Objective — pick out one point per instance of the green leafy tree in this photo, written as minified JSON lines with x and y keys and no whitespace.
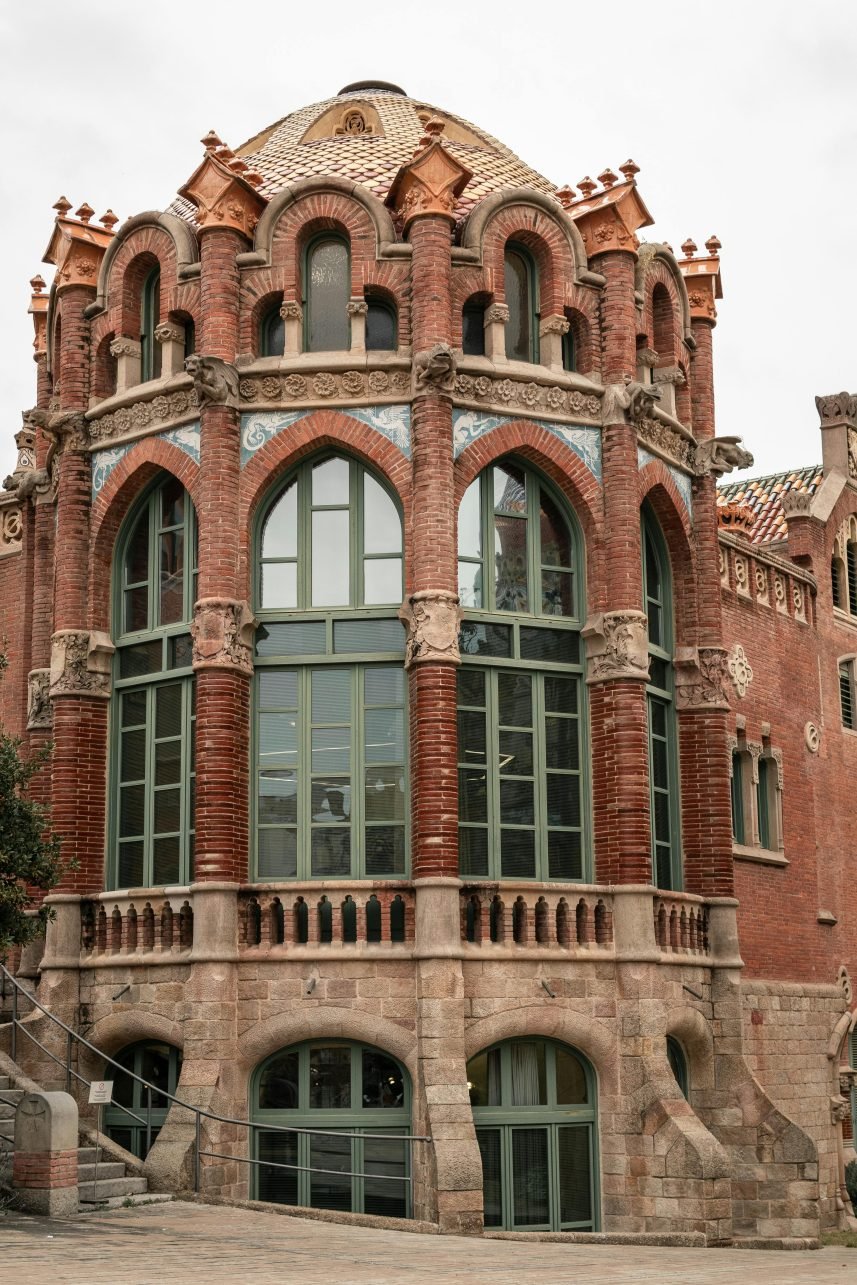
{"x":29,"y":851}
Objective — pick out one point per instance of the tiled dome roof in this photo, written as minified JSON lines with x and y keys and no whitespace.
{"x":763,"y":496}
{"x":367,"y":133}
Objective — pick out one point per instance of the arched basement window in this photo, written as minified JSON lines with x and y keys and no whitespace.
{"x":663,"y":746}
{"x":522,"y":750}
{"x":152,"y":758}
{"x":333,"y":1086}
{"x":327,"y":288}
{"x":521,"y":288}
{"x":160,"y":1065}
{"x":534,"y":1108}
{"x":330,"y":755}
{"x":150,"y":313}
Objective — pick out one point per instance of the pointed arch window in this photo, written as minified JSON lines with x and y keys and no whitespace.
{"x":327,"y":289}
{"x":521,"y":289}
{"x":152,"y":770}
{"x":150,"y":313}
{"x":663,"y":741}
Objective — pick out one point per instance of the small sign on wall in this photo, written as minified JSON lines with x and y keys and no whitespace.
{"x":100,"y":1092}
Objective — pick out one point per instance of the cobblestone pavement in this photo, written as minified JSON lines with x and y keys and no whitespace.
{"x":181,"y":1243}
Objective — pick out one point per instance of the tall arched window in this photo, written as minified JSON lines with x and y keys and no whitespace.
{"x":272,"y":333}
{"x":327,"y":289}
{"x":522,"y":786}
{"x":522,"y":294}
{"x":330,"y":684}
{"x":663,"y":748}
{"x":137,"y":1126}
{"x":333,"y":1086}
{"x":150,"y":313}
{"x":534,"y":1108}
{"x":151,"y":815}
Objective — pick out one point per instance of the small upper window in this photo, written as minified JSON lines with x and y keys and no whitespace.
{"x":473,"y":330}
{"x":327,"y":288}
{"x":569,"y":355}
{"x":272,"y":333}
{"x":381,"y":326}
{"x":846,"y":695}
{"x":150,"y":313}
{"x":521,"y":285}
{"x":739,"y":830}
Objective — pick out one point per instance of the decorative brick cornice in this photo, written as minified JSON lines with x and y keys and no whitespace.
{"x":80,"y":663}
{"x":617,"y":646}
{"x":222,"y":632}
{"x":700,"y":679}
{"x":40,"y":713}
{"x":432,"y":619}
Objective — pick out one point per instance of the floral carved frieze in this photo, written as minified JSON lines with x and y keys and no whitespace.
{"x":701,"y":677}
{"x":667,"y":441}
{"x":432,"y":619}
{"x":527,"y":396}
{"x":80,"y":663}
{"x":222,"y":632}
{"x":143,"y":415}
{"x":39,"y":708}
{"x":617,"y":646}
{"x":323,"y":386}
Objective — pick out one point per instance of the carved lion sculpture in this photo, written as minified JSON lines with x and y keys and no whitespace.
{"x":721,"y":455}
{"x":435,"y":368}
{"x":215,"y":382}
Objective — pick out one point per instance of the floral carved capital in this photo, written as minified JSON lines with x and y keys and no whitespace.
{"x":291,"y":310}
{"x":497,"y":312}
{"x":617,"y":646}
{"x":432,"y":619}
{"x":701,"y":676}
{"x":222,"y":632}
{"x":39,"y":710}
{"x":80,"y":663}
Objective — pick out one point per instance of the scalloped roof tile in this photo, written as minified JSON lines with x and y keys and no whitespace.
{"x":764,"y":496}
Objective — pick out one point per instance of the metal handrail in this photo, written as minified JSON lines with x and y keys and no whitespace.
{"x":199,"y":1113}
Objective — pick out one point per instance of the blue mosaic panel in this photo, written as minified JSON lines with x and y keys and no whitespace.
{"x":104,"y":462}
{"x":392,"y":422}
{"x":682,"y":481}
{"x":585,"y":441}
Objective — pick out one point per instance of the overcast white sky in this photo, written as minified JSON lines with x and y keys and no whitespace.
{"x":741,"y":116}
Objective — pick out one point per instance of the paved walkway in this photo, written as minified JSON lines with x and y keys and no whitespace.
{"x":176,"y":1244}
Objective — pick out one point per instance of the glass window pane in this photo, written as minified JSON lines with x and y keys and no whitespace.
{"x":137,"y":556}
{"x":575,"y":1182}
{"x":517,"y":854}
{"x":557,"y":593}
{"x":329,"y":1190}
{"x":273,"y":335}
{"x":510,"y":490}
{"x":470,"y":584}
{"x":511,"y":591}
{"x":382,"y":581}
{"x":555,"y":535}
{"x":278,"y":798}
{"x":484,"y":640}
{"x":132,"y":810}
{"x":168,"y":762}
{"x":168,"y":705}
{"x":280,"y":536}
{"x":331,"y":696}
{"x":329,"y":1077}
{"x":278,"y":1084}
{"x":172,"y":577}
{"x":331,"y":750}
{"x":387,"y":1157}
{"x":471,"y":737}
{"x":384,"y":794}
{"x":179,"y":652}
{"x":278,"y":854}
{"x":383,"y":1084}
{"x":516,"y":753}
{"x":565,"y":856}
{"x":555,"y":646}
{"x":278,"y":1185}
{"x":385,"y":850}
{"x":563,"y":800}
{"x":473,"y":796}
{"x":279,"y":585}
{"x":172,"y":503}
{"x":473,"y":331}
{"x":380,"y":328}
{"x":517,"y":288}
{"x":470,"y":523}
{"x":328,"y":291}
{"x":134,"y":707}
{"x":132,"y":765}
{"x":278,"y":688}
{"x":492,"y":1190}
{"x":472,"y":853}
{"x":167,"y":811}
{"x":385,"y":736}
{"x":382,"y":526}
{"x":570,"y":1078}
{"x":368,"y":636}
{"x":331,"y":851}
{"x":330,"y":557}
{"x":330,"y":481}
{"x":471,"y":687}
{"x":516,"y":803}
{"x":483,"y":1079}
{"x":528,"y":1086}
{"x":278,"y":738}
{"x":530,"y":1179}
{"x":515,"y":694}
{"x":384,"y":685}
{"x":130,"y":865}
{"x":136,"y":609}
{"x":166,"y":861}
{"x":143,"y":658}
{"x":561,"y":694}
{"x":303,"y":638}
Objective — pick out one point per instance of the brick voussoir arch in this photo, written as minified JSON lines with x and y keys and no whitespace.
{"x":128,"y":479}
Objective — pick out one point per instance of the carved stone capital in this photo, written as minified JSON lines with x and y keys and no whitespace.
{"x":434,"y":369}
{"x":432,"y":619}
{"x":617,"y":646}
{"x":122,"y":346}
{"x":720,"y":455}
{"x":215,"y":382}
{"x":796,"y":504}
{"x":80,"y":663}
{"x":555,"y":325}
{"x":629,"y":402}
{"x":222,"y":632}
{"x":837,"y":408}
{"x":167,"y":333}
{"x":291,"y":310}
{"x":357,"y":308}
{"x":497,"y":312}
{"x":840,"y":1109}
{"x":40,"y":714}
{"x":701,"y":675}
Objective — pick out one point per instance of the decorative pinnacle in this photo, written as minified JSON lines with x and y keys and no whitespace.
{"x":587,"y":187}
{"x":109,"y":220}
{"x":712,"y":245}
{"x":253,"y":177}
{"x":84,"y":212}
{"x":224,"y":153}
{"x":629,"y":169}
{"x":608,"y":178}
{"x":63,"y":206}
{"x":211,"y":141}
{"x":565,"y":196}
{"x":689,"y":248}
{"x":38,"y":283}
{"x":434,"y":126}
{"x":238,"y":165}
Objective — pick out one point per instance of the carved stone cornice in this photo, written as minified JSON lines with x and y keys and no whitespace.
{"x":40,"y":714}
{"x":434,"y":370}
{"x":215,"y":382}
{"x":432,"y":619}
{"x":223,"y":632}
{"x":153,"y":413}
{"x":700,"y":679}
{"x":550,"y":400}
{"x":429,"y":184}
{"x":617,"y":646}
{"x":80,"y":663}
{"x":277,"y":389}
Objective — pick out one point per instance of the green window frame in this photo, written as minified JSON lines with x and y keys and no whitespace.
{"x":763,"y":803}
{"x":534,"y":1104}
{"x":522,"y":703}
{"x":335,"y":1086}
{"x":851,"y":566}
{"x":326,"y":292}
{"x":847,"y":701}
{"x":272,"y":333}
{"x":150,"y":314}
{"x":159,"y":1064}
{"x":521,"y":280}
{"x":677,"y":1059}
{"x":152,"y":753}
{"x":737,"y":793}
{"x":661,"y":721}
{"x":330,"y":716}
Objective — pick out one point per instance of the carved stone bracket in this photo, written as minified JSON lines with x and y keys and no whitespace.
{"x":80,"y":663}
{"x":432,"y":619}
{"x":434,"y":369}
{"x":222,"y":632}
{"x":701,"y":675}
{"x":629,"y":402}
{"x":617,"y":646}
{"x":40,"y":714}
{"x":554,"y":325}
{"x":125,"y":347}
{"x":215,"y":382}
{"x":740,"y":670}
{"x":720,"y":455}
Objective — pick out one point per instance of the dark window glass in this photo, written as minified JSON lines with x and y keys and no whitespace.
{"x":851,"y":561}
{"x":327,"y":293}
{"x":846,"y":696}
{"x":380,"y":327}
{"x":272,"y":334}
{"x":737,"y":797}
{"x":473,"y":330}
{"x":521,"y":333}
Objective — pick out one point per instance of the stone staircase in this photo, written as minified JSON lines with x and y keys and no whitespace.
{"x":103,"y":1181}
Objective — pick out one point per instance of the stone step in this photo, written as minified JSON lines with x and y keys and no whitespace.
{"x":87,"y":1156}
{"x":5,"y":1082}
{"x":94,"y":1192}
{"x":7,"y":1128}
{"x":104,"y":1170}
{"x":117,"y":1202}
{"x":8,"y":1103}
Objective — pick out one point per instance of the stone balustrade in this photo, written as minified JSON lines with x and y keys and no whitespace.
{"x":150,"y":922}
{"x":324,"y":913}
{"x":681,"y":924}
{"x":528,"y":914}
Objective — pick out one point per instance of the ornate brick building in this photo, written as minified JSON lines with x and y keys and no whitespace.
{"x":439,"y":759}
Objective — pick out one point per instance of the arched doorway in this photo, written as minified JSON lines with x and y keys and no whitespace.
{"x":534,"y":1108}
{"x":159,"y":1064}
{"x":339,"y":1088}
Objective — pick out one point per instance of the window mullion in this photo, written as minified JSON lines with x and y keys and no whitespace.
{"x":541,"y":783}
{"x":304,"y":533}
{"x":533,"y":545}
{"x":304,"y":835}
{"x":358,"y":820}
{"x":149,"y":795}
{"x":492,"y":768}
{"x":357,"y":591}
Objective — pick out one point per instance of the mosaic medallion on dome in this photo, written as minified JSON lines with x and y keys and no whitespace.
{"x":469,"y":425}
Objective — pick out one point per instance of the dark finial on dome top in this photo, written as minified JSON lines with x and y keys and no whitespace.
{"x":368,"y":85}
